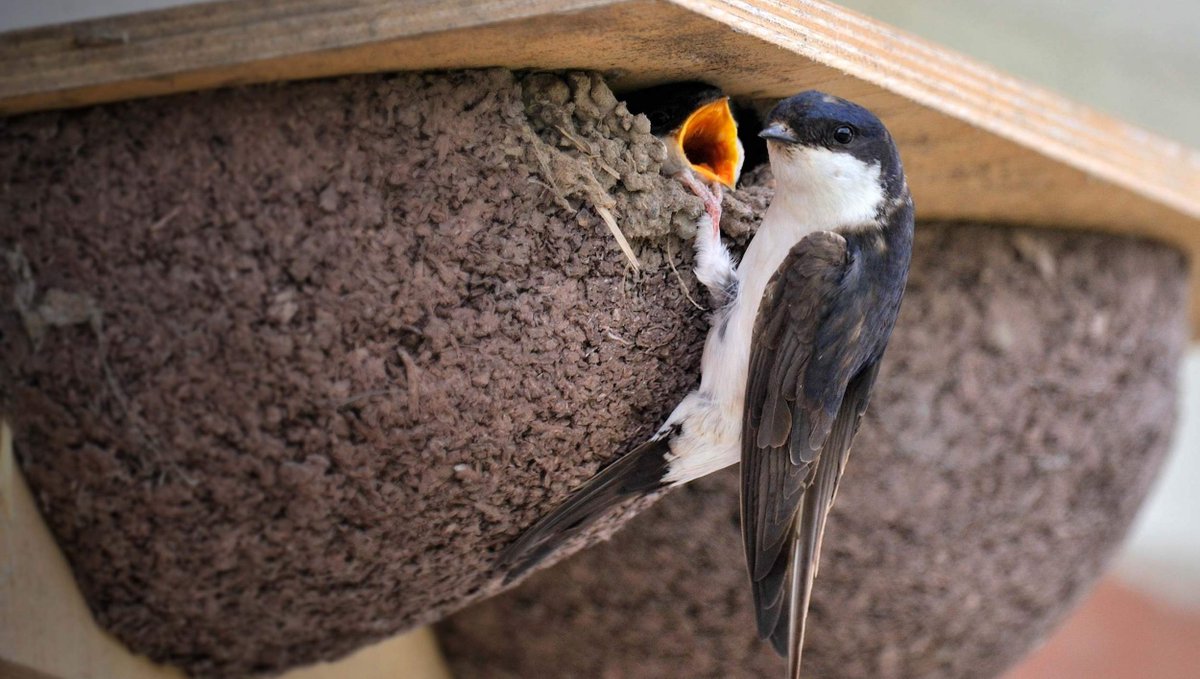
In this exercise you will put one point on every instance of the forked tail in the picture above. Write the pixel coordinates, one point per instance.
(636, 474)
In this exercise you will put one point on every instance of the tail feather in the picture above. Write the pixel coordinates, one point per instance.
(788, 634)
(638, 473)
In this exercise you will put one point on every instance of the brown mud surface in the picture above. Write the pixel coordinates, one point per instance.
(288, 364)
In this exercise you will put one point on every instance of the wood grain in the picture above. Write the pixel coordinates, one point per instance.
(978, 145)
(47, 631)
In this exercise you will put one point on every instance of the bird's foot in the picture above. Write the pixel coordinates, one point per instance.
(715, 267)
(710, 195)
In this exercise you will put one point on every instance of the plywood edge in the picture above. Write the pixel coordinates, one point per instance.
(204, 45)
(47, 67)
(48, 632)
(978, 145)
(943, 80)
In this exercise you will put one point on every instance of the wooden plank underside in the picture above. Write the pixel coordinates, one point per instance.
(977, 145)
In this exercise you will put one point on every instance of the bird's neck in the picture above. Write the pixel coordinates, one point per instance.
(812, 209)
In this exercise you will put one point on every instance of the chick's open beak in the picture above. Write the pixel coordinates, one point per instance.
(709, 141)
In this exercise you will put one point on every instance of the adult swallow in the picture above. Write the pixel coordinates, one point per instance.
(790, 358)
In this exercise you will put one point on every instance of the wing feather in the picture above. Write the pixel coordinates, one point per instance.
(814, 510)
(794, 301)
(809, 381)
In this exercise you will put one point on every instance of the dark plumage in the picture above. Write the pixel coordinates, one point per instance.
(821, 330)
(635, 474)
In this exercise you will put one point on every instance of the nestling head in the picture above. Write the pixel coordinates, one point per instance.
(833, 155)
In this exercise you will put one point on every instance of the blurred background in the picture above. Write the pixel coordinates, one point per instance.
(1137, 60)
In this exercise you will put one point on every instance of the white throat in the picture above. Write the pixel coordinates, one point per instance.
(823, 189)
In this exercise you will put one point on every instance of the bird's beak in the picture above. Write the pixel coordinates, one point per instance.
(779, 132)
(708, 139)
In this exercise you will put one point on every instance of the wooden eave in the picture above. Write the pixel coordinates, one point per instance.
(978, 145)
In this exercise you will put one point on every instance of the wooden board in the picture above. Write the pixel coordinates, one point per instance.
(47, 631)
(977, 145)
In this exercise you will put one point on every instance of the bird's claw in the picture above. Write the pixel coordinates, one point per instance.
(711, 196)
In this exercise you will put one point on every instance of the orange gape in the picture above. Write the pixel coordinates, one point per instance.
(708, 139)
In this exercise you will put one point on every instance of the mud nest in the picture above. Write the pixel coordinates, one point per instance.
(309, 354)
(1024, 406)
(288, 364)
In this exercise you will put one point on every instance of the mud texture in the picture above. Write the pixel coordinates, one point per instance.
(288, 364)
(1023, 408)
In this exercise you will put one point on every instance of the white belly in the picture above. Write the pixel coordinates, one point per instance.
(712, 415)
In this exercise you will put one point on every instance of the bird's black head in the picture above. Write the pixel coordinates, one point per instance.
(821, 143)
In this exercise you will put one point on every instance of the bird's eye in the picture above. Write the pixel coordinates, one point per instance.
(843, 134)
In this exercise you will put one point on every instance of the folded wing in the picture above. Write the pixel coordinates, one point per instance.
(810, 377)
